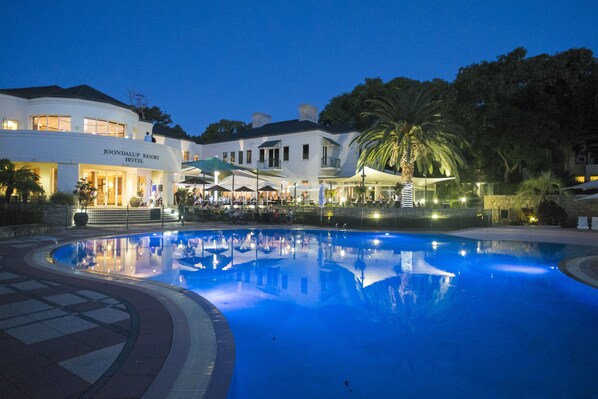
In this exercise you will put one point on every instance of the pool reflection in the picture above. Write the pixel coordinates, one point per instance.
(314, 268)
(305, 267)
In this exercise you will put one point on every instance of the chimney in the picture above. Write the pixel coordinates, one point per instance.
(308, 113)
(259, 119)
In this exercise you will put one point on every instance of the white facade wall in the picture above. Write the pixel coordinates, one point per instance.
(14, 108)
(306, 172)
(69, 153)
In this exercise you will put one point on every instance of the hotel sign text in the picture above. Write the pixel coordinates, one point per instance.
(132, 156)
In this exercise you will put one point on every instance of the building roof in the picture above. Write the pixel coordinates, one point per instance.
(82, 92)
(285, 127)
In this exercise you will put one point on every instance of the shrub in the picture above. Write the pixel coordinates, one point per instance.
(61, 198)
(16, 216)
(550, 213)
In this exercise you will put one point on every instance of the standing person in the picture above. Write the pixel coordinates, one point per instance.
(147, 137)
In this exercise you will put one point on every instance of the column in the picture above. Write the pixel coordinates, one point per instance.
(167, 187)
(68, 175)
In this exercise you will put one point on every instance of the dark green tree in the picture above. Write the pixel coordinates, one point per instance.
(154, 114)
(223, 130)
(527, 112)
(353, 108)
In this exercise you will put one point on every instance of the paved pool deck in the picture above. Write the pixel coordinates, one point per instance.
(77, 334)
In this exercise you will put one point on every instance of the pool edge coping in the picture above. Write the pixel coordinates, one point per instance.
(219, 368)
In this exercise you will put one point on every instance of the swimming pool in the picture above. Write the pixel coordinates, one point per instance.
(318, 314)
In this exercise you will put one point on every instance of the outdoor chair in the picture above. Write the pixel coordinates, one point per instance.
(582, 223)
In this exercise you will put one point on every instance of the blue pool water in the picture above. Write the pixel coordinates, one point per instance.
(319, 314)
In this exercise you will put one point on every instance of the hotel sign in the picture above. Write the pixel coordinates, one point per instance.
(132, 156)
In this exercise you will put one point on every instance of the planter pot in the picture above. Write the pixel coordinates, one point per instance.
(135, 202)
(81, 218)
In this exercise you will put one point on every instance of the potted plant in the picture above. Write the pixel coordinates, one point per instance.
(85, 193)
(136, 201)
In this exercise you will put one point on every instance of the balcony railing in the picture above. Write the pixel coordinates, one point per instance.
(269, 164)
(331, 163)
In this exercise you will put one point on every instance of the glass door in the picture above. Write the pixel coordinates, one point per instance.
(109, 185)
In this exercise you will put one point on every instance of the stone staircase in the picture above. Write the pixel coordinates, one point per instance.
(132, 216)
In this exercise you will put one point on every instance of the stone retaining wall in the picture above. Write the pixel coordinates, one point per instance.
(59, 215)
(8, 232)
(506, 210)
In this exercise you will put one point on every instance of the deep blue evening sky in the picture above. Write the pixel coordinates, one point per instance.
(202, 61)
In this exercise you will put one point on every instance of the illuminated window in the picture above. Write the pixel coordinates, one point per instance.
(52, 123)
(232, 157)
(185, 155)
(224, 156)
(103, 128)
(196, 157)
(10, 124)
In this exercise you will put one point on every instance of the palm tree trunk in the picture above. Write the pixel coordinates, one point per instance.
(9, 190)
(407, 191)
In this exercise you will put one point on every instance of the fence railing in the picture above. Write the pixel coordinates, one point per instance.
(63, 215)
(331, 163)
(347, 217)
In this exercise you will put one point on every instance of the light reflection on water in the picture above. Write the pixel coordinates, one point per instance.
(331, 314)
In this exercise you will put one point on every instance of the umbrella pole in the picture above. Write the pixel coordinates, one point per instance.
(204, 189)
(232, 194)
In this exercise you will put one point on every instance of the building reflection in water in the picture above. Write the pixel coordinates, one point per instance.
(393, 273)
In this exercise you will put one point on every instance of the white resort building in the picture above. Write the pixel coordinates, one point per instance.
(68, 133)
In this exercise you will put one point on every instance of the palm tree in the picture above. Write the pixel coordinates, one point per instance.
(536, 189)
(14, 178)
(412, 130)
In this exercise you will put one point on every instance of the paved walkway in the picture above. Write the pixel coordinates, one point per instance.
(63, 335)
(66, 335)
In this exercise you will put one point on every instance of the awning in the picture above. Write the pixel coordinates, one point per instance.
(271, 143)
(327, 141)
(376, 177)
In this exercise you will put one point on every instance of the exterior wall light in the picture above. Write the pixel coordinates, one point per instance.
(376, 215)
(434, 216)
